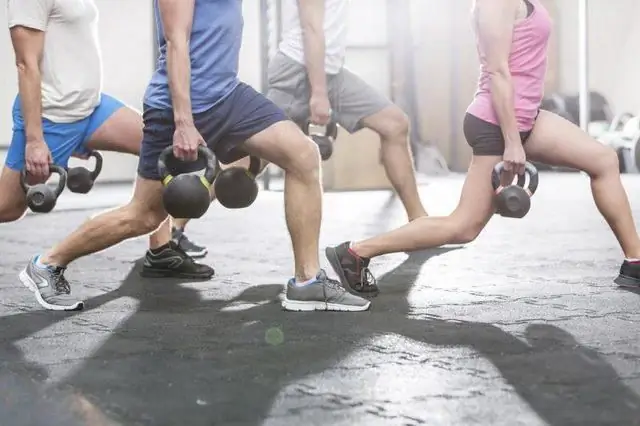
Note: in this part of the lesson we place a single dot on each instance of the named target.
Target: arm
(312, 23)
(177, 18)
(27, 23)
(495, 21)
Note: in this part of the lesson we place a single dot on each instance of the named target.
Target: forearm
(30, 89)
(503, 104)
(179, 70)
(314, 54)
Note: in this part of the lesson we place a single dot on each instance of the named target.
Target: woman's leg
(474, 210)
(559, 142)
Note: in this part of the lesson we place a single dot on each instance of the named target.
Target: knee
(606, 163)
(305, 161)
(11, 213)
(467, 231)
(394, 128)
(140, 220)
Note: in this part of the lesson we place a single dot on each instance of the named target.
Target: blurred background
(428, 67)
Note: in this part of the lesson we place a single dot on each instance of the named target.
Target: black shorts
(225, 127)
(486, 138)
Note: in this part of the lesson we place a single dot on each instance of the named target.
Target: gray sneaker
(51, 288)
(324, 294)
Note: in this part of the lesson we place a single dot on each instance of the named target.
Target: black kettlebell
(80, 179)
(514, 200)
(323, 136)
(186, 196)
(236, 187)
(42, 198)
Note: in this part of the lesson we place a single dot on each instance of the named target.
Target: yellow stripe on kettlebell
(166, 180)
(205, 182)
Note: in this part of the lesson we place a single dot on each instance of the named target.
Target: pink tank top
(528, 65)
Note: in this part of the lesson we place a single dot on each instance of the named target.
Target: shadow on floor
(181, 359)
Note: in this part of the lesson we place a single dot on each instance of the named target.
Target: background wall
(446, 65)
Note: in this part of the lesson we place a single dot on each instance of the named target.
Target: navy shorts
(225, 127)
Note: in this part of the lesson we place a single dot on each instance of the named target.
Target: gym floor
(521, 327)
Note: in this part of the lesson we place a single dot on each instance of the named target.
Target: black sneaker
(171, 261)
(352, 270)
(629, 275)
(192, 249)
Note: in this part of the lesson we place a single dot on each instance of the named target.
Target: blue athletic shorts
(63, 139)
(225, 127)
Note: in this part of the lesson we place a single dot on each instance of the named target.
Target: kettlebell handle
(203, 152)
(331, 128)
(98, 168)
(529, 169)
(53, 168)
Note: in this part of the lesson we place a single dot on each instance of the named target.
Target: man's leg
(559, 142)
(118, 128)
(359, 105)
(256, 126)
(13, 202)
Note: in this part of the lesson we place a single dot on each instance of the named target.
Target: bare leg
(286, 146)
(142, 215)
(393, 127)
(13, 202)
(122, 132)
(474, 210)
(557, 141)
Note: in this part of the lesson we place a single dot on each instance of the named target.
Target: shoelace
(60, 283)
(366, 278)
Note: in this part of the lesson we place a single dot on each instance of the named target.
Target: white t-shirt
(71, 65)
(336, 17)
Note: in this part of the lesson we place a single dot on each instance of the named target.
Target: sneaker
(51, 288)
(171, 261)
(629, 275)
(323, 294)
(188, 246)
(353, 270)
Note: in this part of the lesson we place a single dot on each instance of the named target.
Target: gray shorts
(351, 98)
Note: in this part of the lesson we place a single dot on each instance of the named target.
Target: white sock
(303, 283)
(632, 260)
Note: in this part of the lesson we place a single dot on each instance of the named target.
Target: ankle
(306, 274)
(50, 260)
(358, 250)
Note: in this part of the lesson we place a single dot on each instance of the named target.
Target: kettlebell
(42, 198)
(236, 187)
(514, 200)
(186, 196)
(80, 179)
(323, 136)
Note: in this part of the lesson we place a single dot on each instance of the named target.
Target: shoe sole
(625, 281)
(334, 261)
(162, 273)
(303, 306)
(31, 285)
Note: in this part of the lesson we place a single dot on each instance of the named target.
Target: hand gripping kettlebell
(186, 196)
(236, 187)
(42, 198)
(80, 179)
(323, 136)
(514, 200)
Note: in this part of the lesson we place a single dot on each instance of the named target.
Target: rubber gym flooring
(521, 327)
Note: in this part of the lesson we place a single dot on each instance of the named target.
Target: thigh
(243, 114)
(353, 100)
(114, 126)
(558, 142)
(12, 198)
(289, 87)
(476, 205)
(281, 144)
